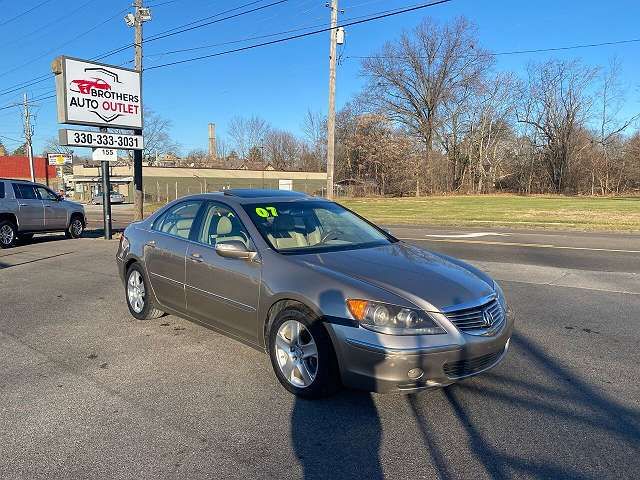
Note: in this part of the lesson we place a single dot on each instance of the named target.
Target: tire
(25, 238)
(75, 228)
(8, 234)
(136, 290)
(298, 370)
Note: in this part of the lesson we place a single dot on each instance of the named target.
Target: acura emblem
(487, 316)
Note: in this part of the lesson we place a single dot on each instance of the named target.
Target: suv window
(46, 194)
(178, 219)
(1, 189)
(25, 191)
(220, 224)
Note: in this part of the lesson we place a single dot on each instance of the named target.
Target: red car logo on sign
(85, 86)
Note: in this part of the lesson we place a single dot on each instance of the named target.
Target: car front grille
(478, 320)
(469, 366)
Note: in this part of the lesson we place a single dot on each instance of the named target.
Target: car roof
(257, 195)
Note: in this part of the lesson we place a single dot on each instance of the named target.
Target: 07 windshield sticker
(266, 212)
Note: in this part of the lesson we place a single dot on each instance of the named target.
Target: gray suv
(27, 208)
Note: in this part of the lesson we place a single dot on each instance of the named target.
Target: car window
(46, 194)
(1, 189)
(178, 219)
(313, 226)
(25, 191)
(220, 225)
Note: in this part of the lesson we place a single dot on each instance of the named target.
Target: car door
(30, 208)
(55, 214)
(222, 291)
(165, 250)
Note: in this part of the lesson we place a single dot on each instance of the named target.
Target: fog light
(415, 373)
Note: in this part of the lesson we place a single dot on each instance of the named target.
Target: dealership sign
(59, 159)
(96, 94)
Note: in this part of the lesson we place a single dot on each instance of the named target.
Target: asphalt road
(88, 392)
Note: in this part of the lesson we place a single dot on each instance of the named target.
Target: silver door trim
(230, 301)
(167, 278)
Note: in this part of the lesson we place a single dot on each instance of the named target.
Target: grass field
(536, 212)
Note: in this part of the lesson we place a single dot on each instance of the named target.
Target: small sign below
(83, 138)
(104, 155)
(59, 159)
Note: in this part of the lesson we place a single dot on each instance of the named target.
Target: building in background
(163, 184)
(17, 166)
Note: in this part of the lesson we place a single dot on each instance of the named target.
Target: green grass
(534, 212)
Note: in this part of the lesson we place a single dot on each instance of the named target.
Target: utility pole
(331, 117)
(27, 137)
(141, 15)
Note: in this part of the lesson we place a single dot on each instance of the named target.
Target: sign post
(99, 95)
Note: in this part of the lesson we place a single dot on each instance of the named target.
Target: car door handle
(196, 257)
(150, 243)
(47, 206)
(23, 204)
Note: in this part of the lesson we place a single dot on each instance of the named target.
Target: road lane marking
(470, 235)
(517, 244)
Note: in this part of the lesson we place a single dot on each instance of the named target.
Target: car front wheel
(76, 228)
(302, 355)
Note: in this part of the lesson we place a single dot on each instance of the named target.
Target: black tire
(8, 234)
(75, 228)
(148, 310)
(327, 376)
(25, 238)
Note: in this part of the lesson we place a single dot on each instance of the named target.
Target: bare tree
(247, 133)
(556, 105)
(281, 149)
(411, 79)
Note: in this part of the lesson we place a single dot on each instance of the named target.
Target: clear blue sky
(279, 83)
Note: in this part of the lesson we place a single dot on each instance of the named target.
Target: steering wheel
(330, 235)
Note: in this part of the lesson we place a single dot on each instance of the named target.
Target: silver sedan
(333, 299)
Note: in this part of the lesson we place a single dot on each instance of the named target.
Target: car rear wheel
(75, 228)
(137, 292)
(302, 355)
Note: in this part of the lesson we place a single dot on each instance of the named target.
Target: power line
(80, 35)
(302, 35)
(26, 12)
(519, 52)
(256, 37)
(166, 33)
(183, 30)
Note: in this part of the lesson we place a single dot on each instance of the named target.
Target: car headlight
(500, 294)
(393, 319)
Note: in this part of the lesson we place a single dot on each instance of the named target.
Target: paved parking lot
(89, 392)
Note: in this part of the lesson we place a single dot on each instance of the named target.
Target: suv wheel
(302, 355)
(75, 228)
(8, 234)
(138, 300)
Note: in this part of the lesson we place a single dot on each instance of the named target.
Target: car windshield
(310, 226)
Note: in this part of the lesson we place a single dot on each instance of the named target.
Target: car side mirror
(235, 249)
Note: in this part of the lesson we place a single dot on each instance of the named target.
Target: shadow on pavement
(337, 438)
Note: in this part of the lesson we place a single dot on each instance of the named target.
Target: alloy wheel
(296, 354)
(76, 228)
(135, 291)
(7, 235)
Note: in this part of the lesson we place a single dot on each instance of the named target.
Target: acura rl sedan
(333, 299)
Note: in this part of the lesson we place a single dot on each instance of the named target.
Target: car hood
(429, 280)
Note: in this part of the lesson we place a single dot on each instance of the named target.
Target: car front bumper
(387, 363)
